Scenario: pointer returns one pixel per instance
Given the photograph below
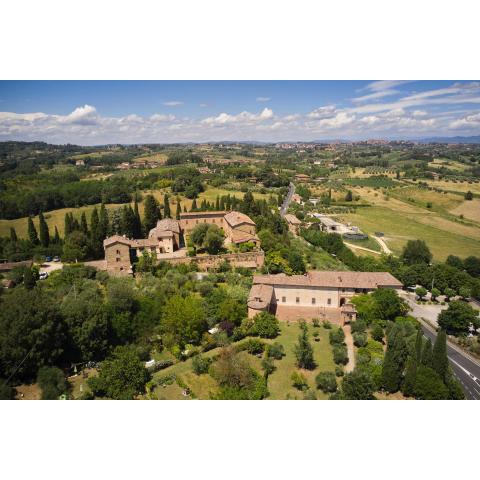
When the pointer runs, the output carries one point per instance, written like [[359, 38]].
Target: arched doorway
[[342, 302]]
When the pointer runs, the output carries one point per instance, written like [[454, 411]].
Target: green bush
[[253, 346], [326, 325], [359, 326], [276, 351], [201, 364], [336, 337], [299, 381], [265, 325], [377, 332], [339, 372], [360, 339], [316, 322], [326, 382], [340, 355], [52, 382]]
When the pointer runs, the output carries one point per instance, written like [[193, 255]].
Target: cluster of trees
[[188, 182], [178, 157], [207, 237]]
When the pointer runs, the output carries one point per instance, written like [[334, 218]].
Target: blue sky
[[95, 112]]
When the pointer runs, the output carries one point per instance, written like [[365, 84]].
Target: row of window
[[314, 300]]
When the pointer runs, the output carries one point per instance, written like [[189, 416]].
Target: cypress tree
[[94, 224], [427, 354], [166, 207], [104, 223], [222, 203], [419, 345], [194, 207], [179, 211], [44, 232], [68, 228], [32, 232], [28, 279], [439, 355], [394, 359], [410, 377], [75, 224], [217, 203], [303, 349], [83, 223], [127, 221], [138, 221], [13, 235], [151, 214], [56, 237]]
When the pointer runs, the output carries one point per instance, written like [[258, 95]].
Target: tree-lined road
[[287, 200]]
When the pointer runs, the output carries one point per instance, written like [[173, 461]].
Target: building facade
[[317, 294]]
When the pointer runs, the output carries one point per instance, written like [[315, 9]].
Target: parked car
[[43, 275], [56, 259], [48, 259]]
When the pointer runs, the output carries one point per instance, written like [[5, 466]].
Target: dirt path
[[351, 245], [382, 244], [350, 348]]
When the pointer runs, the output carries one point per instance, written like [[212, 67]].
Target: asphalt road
[[288, 199], [466, 369]]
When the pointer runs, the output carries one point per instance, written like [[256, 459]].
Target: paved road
[[287, 200], [466, 369]]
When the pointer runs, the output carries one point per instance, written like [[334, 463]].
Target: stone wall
[[204, 262]]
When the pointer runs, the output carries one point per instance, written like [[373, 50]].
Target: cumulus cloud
[[341, 119], [323, 112], [263, 99], [86, 115], [241, 118], [468, 121]]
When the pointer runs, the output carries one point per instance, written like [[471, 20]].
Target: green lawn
[[279, 382], [443, 236]]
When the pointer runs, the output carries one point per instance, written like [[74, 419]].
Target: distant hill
[[473, 139]]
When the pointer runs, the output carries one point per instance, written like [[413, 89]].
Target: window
[[118, 259], [297, 300], [329, 301], [284, 299], [313, 301], [118, 252]]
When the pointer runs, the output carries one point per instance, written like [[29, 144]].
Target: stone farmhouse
[[166, 239], [317, 294]]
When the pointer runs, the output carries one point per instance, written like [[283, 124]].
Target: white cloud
[[419, 113], [467, 122], [263, 99], [203, 105], [241, 118], [341, 119], [173, 103], [323, 112], [159, 117]]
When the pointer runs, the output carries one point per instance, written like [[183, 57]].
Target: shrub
[[339, 372], [359, 326], [340, 355], [299, 381], [162, 364], [377, 332], [265, 325], [201, 364], [276, 351], [268, 365], [360, 339], [309, 395], [326, 382], [326, 325], [336, 337], [316, 322], [253, 346], [6, 391], [358, 385], [52, 382]]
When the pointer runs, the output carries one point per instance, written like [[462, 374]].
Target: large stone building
[[167, 238], [317, 294]]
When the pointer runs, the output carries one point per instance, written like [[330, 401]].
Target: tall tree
[[439, 356], [217, 203], [68, 227], [410, 377], [137, 230], [418, 346], [29, 280], [303, 349], [83, 224], [427, 354], [194, 207], [32, 232], [394, 361], [56, 236], [166, 207], [44, 232], [104, 223], [127, 221], [179, 211], [13, 235], [416, 251], [151, 214]]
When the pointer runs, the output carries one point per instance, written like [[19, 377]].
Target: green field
[[279, 382], [443, 236]]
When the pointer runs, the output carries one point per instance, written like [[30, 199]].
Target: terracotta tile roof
[[238, 236], [165, 225], [316, 278], [145, 242], [292, 219], [7, 266], [116, 239], [260, 296], [237, 218]]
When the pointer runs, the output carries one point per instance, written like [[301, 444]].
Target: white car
[[43, 275]]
